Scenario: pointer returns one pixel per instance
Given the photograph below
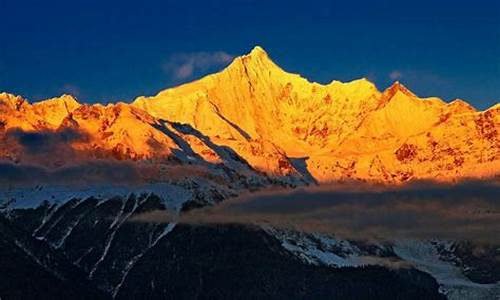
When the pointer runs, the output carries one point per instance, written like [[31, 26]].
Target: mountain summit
[[283, 125]]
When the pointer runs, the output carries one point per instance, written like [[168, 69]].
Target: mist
[[464, 211], [88, 172]]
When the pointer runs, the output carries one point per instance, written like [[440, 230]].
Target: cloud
[[420, 77], [184, 65], [467, 211], [45, 142], [44, 147], [66, 156], [395, 75], [71, 89], [371, 76], [91, 172]]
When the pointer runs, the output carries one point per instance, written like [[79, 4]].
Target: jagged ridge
[[283, 125]]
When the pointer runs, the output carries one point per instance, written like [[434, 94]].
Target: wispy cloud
[[38, 147], [371, 75], [43, 142], [420, 77], [71, 89], [84, 173], [181, 66], [395, 75]]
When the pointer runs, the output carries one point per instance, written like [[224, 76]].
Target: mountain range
[[100, 201], [255, 117]]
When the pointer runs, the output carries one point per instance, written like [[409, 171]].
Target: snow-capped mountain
[[85, 189], [253, 115]]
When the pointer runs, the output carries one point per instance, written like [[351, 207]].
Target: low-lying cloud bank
[[43, 142], [90, 172], [97, 171], [465, 211]]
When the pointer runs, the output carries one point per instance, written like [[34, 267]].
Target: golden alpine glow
[[281, 124]]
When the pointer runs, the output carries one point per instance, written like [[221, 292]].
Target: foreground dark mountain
[[228, 262], [136, 260], [107, 244], [31, 269]]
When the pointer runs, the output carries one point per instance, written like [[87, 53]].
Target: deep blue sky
[[107, 51]]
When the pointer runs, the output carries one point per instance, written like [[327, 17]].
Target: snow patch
[[22, 198], [425, 257], [320, 249]]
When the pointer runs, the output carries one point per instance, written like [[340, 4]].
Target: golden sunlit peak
[[258, 50], [397, 84], [461, 105], [257, 54], [398, 87], [64, 99], [347, 130], [257, 60]]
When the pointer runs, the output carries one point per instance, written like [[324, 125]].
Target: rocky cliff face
[[261, 118]]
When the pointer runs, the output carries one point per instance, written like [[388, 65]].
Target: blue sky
[[107, 51]]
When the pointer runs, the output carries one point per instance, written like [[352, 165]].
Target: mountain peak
[[395, 88], [257, 56], [397, 85], [65, 101], [257, 51], [257, 61], [460, 106], [12, 100], [54, 110]]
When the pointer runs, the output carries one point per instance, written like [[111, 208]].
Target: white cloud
[[395, 75], [184, 65], [71, 89]]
